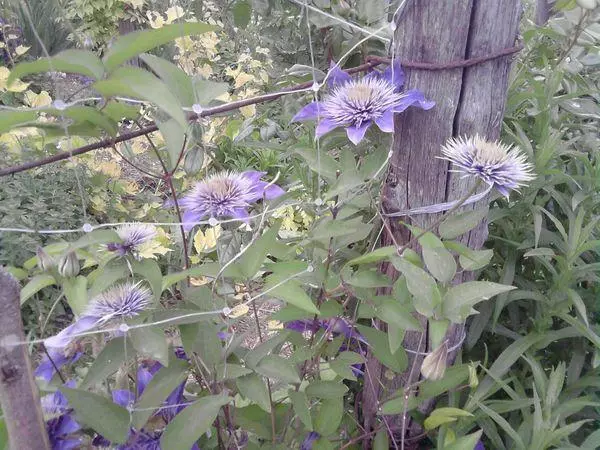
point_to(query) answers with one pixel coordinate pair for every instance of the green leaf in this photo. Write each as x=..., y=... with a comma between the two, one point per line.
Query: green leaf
x=369, y=279
x=503, y=423
x=326, y=389
x=206, y=90
x=392, y=312
x=254, y=388
x=137, y=83
x=475, y=259
x=162, y=384
x=458, y=224
x=381, y=441
x=100, y=414
x=242, y=11
x=9, y=119
x=291, y=292
x=278, y=368
x=380, y=254
x=75, y=290
x=329, y=417
x=205, y=270
x=502, y=365
x=228, y=371
x=453, y=377
x=149, y=269
x=173, y=133
x=108, y=361
x=460, y=299
x=440, y=263
x=441, y=416
x=69, y=61
x=421, y=285
x=80, y=114
x=35, y=285
x=379, y=345
x=132, y=44
x=201, y=339
x=151, y=342
x=301, y=407
x=579, y=305
x=255, y=356
x=191, y=423
x=466, y=442
x=177, y=80
x=253, y=257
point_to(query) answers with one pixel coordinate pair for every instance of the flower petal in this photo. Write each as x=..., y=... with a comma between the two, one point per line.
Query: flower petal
x=394, y=74
x=123, y=397
x=67, y=425
x=253, y=175
x=413, y=97
x=386, y=122
x=241, y=213
x=64, y=338
x=356, y=134
x=190, y=218
x=336, y=75
x=309, y=112
x=46, y=369
x=324, y=127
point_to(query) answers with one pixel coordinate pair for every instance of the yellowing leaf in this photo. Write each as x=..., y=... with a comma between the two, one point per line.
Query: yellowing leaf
x=110, y=168
x=21, y=50
x=136, y=3
x=174, y=13
x=248, y=111
x=37, y=100
x=200, y=281
x=239, y=311
x=138, y=146
x=156, y=20
x=274, y=325
x=207, y=241
x=242, y=79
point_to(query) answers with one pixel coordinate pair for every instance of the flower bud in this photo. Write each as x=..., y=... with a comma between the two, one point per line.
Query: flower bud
x=68, y=266
x=434, y=364
x=194, y=159
x=45, y=261
x=586, y=4
x=473, y=379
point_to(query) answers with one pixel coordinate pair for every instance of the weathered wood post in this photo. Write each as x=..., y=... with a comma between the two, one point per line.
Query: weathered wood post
x=468, y=100
x=18, y=392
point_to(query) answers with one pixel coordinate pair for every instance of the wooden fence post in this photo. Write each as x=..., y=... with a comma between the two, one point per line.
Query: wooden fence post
x=468, y=101
x=18, y=392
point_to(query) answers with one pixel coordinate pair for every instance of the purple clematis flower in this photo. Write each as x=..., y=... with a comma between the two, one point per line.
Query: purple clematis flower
x=132, y=236
x=123, y=301
x=175, y=402
x=226, y=195
x=335, y=325
x=47, y=368
x=59, y=423
x=479, y=446
x=355, y=104
x=309, y=440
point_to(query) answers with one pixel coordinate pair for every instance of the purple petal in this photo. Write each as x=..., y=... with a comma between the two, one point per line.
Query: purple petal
x=324, y=127
x=143, y=378
x=190, y=218
x=394, y=74
x=413, y=97
x=386, y=122
x=67, y=425
x=479, y=446
x=68, y=444
x=505, y=192
x=309, y=440
x=273, y=191
x=263, y=189
x=309, y=112
x=356, y=134
x=241, y=213
x=123, y=397
x=64, y=338
x=253, y=175
x=46, y=368
x=336, y=75
x=303, y=325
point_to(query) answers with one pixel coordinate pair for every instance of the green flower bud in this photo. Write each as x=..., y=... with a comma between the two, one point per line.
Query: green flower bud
x=68, y=266
x=434, y=364
x=473, y=379
x=45, y=261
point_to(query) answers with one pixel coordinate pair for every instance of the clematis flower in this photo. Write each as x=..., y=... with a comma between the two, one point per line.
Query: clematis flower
x=145, y=439
x=47, y=368
x=132, y=237
x=123, y=301
x=309, y=440
x=355, y=104
x=499, y=165
x=335, y=325
x=226, y=195
x=59, y=423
